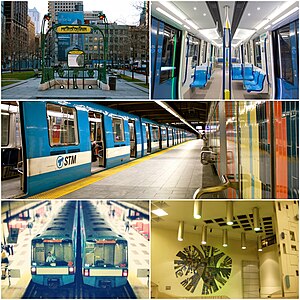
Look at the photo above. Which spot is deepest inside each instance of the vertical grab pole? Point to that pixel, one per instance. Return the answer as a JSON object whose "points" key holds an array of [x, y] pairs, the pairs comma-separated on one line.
{"points": [[226, 58]]}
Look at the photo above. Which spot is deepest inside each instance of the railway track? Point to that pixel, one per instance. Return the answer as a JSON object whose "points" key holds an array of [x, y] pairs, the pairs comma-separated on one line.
{"points": [[78, 290]]}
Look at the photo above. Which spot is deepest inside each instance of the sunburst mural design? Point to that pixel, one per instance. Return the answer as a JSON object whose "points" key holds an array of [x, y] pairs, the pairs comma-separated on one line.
{"points": [[207, 262]]}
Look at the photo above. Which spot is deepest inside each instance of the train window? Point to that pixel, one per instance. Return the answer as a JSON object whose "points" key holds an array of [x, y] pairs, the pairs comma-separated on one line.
{"points": [[170, 43], [155, 134], [285, 52], [95, 126], [5, 129], [62, 124], [118, 129], [163, 133], [257, 52], [204, 50], [120, 254]]}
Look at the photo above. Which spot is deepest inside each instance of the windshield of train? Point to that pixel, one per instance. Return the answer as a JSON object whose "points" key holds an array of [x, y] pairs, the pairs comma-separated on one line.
{"points": [[58, 253], [109, 254]]}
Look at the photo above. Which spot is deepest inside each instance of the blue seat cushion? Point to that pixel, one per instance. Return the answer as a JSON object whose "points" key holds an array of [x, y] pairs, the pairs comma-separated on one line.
{"points": [[248, 73], [254, 81], [237, 73], [200, 79], [259, 86]]}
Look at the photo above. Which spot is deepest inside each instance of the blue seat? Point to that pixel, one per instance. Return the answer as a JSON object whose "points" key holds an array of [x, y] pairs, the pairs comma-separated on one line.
{"points": [[254, 81], [248, 72], [237, 72], [200, 78], [259, 86]]}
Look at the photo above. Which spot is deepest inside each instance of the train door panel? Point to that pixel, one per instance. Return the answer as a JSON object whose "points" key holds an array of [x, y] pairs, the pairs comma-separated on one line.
{"points": [[12, 156], [160, 137], [132, 134], [165, 53], [148, 138], [286, 54], [97, 139]]}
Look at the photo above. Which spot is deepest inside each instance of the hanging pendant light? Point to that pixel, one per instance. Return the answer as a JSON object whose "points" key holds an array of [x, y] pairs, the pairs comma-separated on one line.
{"points": [[197, 209], [229, 213], [180, 231], [259, 244], [225, 238], [256, 219], [204, 235], [243, 240]]}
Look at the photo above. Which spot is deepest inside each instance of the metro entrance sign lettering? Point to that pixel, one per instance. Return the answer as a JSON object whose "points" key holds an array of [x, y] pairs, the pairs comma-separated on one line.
{"points": [[73, 29]]}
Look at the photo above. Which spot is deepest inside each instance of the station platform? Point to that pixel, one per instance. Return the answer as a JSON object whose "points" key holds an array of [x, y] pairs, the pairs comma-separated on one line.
{"points": [[138, 255], [20, 260], [173, 173]]}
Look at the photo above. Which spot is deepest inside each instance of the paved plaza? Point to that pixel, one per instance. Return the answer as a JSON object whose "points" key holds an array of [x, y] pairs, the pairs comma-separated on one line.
{"points": [[28, 89]]}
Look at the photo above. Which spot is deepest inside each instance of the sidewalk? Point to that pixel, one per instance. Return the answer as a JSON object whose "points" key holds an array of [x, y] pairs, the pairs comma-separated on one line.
{"points": [[138, 252], [28, 89], [21, 259]]}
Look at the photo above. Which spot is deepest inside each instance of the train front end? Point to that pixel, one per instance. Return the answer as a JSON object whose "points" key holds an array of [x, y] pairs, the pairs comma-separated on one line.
{"points": [[105, 262], [52, 262]]}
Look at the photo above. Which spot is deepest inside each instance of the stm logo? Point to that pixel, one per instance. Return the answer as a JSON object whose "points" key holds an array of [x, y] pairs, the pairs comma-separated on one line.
{"points": [[65, 161]]}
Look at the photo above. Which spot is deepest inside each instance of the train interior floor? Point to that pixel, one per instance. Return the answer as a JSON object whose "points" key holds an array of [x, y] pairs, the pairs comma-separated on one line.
{"points": [[138, 254], [213, 89], [172, 174], [10, 188]]}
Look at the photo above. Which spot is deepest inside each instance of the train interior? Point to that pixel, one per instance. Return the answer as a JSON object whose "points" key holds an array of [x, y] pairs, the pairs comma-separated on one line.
{"points": [[12, 179], [192, 43]]}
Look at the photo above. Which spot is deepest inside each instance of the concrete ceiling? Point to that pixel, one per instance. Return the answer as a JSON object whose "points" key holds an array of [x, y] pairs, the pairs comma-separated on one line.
{"points": [[213, 210]]}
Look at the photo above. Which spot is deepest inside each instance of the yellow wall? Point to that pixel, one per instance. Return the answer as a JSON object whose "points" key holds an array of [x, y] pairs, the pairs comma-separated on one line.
{"points": [[269, 272], [165, 247]]}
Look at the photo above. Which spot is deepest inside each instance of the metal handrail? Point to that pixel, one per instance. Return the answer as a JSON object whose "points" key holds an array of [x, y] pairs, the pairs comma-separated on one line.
{"points": [[217, 188]]}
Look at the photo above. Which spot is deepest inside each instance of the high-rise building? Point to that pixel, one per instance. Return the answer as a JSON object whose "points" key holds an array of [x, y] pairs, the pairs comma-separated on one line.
{"points": [[58, 6], [35, 18], [54, 8], [16, 33], [31, 36]]}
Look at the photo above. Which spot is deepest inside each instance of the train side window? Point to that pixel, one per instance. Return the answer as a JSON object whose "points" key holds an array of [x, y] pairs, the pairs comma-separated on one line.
{"points": [[257, 52], [168, 68], [5, 118], [155, 133], [286, 64], [62, 125], [118, 129]]}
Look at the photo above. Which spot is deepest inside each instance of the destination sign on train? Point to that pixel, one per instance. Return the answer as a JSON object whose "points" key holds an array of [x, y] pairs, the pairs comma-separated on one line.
{"points": [[73, 29]]}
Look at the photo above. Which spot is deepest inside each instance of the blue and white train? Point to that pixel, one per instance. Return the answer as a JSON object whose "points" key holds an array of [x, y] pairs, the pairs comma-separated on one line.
{"points": [[53, 252], [57, 142], [104, 253]]}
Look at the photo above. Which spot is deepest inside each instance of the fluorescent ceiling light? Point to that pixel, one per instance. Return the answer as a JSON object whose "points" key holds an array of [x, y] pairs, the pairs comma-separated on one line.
{"points": [[174, 113], [159, 212], [211, 33], [276, 13], [192, 24], [285, 15], [168, 15], [243, 34], [267, 27], [173, 9], [187, 27]]}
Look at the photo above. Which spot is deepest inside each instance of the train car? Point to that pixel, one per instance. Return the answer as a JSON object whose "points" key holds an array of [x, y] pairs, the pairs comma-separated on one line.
{"points": [[53, 252], [66, 141], [259, 145], [104, 253], [209, 50]]}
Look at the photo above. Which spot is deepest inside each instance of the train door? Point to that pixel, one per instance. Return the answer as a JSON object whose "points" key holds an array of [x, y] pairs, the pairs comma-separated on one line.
{"points": [[286, 61], [132, 134], [148, 137], [160, 137], [12, 156], [165, 60], [97, 139]]}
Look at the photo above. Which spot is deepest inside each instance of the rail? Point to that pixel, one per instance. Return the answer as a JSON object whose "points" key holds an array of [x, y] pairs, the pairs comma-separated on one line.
{"points": [[226, 183]]}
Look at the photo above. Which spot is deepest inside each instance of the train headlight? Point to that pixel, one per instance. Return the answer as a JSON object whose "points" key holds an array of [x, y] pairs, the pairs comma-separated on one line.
{"points": [[125, 273], [33, 270], [71, 270], [86, 272]]}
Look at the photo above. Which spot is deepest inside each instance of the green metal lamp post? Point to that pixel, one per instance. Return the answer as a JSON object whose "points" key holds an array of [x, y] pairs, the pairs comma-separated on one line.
{"points": [[103, 18], [46, 17]]}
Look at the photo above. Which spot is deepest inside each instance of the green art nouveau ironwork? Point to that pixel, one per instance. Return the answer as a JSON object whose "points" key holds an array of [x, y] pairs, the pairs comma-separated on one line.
{"points": [[208, 263]]}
